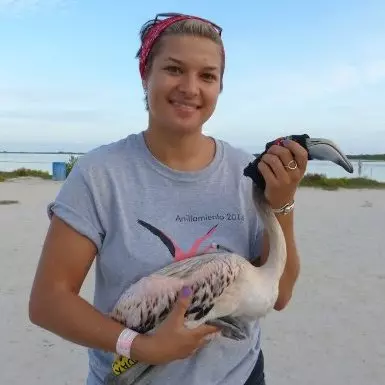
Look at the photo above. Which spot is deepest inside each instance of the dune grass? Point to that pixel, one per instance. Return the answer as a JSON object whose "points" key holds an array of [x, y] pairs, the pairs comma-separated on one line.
{"points": [[71, 163], [20, 172], [310, 180], [321, 181]]}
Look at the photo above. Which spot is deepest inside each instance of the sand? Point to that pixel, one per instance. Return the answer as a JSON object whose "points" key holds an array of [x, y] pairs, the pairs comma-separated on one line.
{"points": [[333, 331]]}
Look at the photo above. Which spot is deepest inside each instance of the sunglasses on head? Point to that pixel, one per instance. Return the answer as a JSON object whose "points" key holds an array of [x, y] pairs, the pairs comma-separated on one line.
{"points": [[161, 16]]}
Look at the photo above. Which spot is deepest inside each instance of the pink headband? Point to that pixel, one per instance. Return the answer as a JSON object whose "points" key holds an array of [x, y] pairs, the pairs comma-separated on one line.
{"points": [[154, 33]]}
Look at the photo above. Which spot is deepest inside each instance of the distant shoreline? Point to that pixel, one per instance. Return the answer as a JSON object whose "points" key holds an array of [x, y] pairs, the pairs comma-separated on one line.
{"points": [[43, 152], [371, 157], [380, 157]]}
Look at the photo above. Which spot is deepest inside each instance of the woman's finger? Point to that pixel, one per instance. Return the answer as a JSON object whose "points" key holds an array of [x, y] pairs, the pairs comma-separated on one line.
{"points": [[288, 160], [277, 167], [283, 153], [298, 153], [267, 173]]}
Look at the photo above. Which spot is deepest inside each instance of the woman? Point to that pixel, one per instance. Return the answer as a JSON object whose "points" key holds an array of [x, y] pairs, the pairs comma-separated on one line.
{"points": [[174, 179]]}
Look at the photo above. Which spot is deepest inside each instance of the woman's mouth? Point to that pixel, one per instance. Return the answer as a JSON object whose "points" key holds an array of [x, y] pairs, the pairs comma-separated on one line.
{"points": [[185, 107]]}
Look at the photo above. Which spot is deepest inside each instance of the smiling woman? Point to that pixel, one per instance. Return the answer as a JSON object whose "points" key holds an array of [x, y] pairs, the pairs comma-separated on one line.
{"points": [[183, 84], [163, 177], [181, 62]]}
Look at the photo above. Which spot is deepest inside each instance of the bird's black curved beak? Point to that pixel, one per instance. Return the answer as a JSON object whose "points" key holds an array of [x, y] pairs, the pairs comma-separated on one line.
{"points": [[324, 149], [317, 148]]}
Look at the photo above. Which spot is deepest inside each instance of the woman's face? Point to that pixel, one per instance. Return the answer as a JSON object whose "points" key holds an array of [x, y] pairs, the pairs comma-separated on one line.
{"points": [[183, 83]]}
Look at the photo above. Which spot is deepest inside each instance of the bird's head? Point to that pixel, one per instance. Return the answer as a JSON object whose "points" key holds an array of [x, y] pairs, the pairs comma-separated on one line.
{"points": [[317, 148]]}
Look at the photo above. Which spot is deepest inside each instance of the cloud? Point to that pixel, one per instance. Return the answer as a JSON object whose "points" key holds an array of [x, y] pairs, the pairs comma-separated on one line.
{"points": [[306, 85], [28, 3], [375, 71], [13, 95], [69, 98], [63, 115], [343, 78], [66, 114], [17, 6]]}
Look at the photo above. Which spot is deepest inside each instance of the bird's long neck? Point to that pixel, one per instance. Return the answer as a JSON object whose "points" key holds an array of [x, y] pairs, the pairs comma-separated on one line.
{"points": [[276, 259]]}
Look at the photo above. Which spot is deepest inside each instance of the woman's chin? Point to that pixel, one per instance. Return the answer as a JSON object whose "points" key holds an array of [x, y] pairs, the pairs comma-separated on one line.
{"points": [[185, 125]]}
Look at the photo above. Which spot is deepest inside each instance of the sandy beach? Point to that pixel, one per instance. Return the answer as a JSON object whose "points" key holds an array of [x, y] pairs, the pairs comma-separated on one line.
{"points": [[333, 332]]}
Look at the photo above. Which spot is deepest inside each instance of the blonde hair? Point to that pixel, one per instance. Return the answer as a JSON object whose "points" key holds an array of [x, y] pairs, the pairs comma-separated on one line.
{"points": [[188, 27]]}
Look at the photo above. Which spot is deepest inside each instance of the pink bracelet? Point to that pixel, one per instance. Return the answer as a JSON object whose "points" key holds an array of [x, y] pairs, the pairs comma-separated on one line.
{"points": [[124, 342]]}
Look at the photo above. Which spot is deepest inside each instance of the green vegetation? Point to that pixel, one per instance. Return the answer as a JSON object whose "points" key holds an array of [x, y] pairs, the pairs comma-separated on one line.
{"points": [[23, 172], [321, 181], [20, 172], [373, 157], [43, 152], [310, 180], [70, 164]]}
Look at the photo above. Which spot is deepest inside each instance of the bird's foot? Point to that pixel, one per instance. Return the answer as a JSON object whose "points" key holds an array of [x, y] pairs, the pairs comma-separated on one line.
{"points": [[232, 328]]}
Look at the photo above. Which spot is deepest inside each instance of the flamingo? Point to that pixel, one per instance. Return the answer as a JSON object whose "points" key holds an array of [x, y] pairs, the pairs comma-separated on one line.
{"points": [[227, 288]]}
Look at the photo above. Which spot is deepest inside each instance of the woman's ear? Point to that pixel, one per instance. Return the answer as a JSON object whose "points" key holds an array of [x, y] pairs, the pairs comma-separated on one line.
{"points": [[145, 90]]}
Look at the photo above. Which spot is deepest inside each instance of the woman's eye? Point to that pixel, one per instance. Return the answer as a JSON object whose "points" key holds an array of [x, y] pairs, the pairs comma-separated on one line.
{"points": [[209, 76], [173, 69]]}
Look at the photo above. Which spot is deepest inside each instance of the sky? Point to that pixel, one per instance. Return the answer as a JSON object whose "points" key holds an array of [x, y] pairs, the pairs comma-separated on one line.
{"points": [[69, 77]]}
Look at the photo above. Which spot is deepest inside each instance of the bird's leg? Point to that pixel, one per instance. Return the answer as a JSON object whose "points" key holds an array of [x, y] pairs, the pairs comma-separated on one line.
{"points": [[229, 327]]}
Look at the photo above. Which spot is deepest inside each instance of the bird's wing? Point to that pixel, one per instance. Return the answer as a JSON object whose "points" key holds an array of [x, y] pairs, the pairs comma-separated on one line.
{"points": [[148, 302], [188, 266]]}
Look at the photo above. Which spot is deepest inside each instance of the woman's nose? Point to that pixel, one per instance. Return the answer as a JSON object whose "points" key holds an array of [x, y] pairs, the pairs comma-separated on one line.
{"points": [[189, 84]]}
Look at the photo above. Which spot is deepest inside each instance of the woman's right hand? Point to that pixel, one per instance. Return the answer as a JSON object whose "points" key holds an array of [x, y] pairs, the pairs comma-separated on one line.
{"points": [[172, 340]]}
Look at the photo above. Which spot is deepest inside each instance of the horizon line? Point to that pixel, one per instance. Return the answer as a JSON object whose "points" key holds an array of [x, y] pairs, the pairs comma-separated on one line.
{"points": [[84, 153]]}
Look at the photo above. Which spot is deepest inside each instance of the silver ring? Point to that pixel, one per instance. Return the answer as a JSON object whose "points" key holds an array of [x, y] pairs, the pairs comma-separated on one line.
{"points": [[292, 165]]}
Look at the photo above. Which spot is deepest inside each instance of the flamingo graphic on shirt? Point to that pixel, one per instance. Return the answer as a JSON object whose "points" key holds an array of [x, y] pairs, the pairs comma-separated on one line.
{"points": [[178, 253]]}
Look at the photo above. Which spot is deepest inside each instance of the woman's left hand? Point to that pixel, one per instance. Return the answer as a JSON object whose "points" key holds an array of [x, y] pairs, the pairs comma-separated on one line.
{"points": [[283, 167]]}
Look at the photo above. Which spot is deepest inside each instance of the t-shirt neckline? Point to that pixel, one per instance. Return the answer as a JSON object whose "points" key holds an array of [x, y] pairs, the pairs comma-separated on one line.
{"points": [[185, 176]]}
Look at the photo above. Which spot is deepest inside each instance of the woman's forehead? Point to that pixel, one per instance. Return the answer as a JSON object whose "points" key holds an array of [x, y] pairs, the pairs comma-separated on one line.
{"points": [[186, 49]]}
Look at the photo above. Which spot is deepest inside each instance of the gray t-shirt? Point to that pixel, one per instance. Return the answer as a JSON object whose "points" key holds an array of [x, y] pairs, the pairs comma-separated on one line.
{"points": [[112, 196]]}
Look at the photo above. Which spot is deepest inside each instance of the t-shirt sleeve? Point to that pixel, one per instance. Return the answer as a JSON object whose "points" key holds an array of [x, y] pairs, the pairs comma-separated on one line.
{"points": [[78, 206]]}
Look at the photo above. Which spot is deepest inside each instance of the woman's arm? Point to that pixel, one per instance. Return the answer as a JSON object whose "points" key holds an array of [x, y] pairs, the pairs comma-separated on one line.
{"points": [[55, 303]]}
